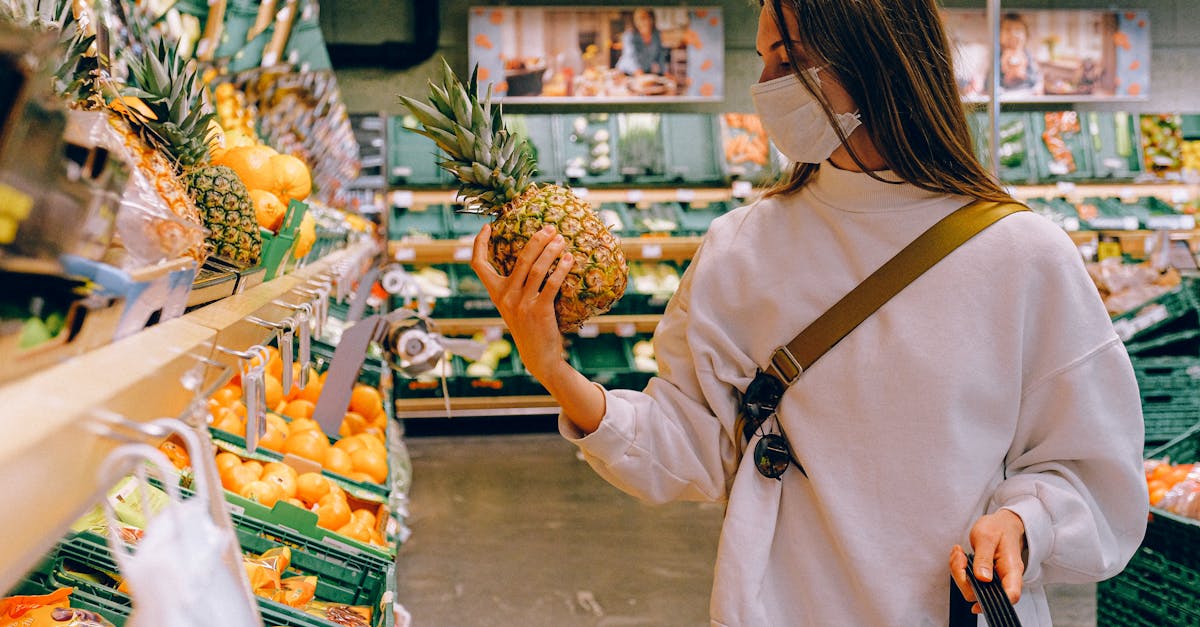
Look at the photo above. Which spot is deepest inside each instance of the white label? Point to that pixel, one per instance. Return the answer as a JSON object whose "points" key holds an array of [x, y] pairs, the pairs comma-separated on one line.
{"points": [[402, 198], [685, 195], [235, 509], [589, 330], [1171, 222], [402, 171], [492, 334], [1149, 316], [634, 195], [1180, 195], [626, 329], [462, 253], [406, 254], [652, 251], [1065, 187], [1127, 194], [1071, 223], [580, 192], [742, 189], [575, 172], [331, 541]]}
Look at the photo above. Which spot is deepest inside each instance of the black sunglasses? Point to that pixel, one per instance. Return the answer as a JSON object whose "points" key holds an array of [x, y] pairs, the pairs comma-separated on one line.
{"points": [[772, 454]]}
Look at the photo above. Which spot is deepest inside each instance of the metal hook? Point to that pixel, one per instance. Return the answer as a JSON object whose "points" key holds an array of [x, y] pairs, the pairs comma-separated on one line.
{"points": [[110, 424], [239, 354], [286, 323]]}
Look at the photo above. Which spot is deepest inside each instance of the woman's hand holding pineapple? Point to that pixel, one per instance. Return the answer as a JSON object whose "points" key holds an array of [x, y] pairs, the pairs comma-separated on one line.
{"points": [[525, 300]]}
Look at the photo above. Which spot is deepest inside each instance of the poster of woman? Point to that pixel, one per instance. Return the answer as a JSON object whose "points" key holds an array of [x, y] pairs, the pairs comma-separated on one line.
{"points": [[1054, 55], [602, 54]]}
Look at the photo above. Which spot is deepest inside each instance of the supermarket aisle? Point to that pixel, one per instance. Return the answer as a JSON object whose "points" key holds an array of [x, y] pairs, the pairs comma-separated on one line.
{"points": [[516, 530]]}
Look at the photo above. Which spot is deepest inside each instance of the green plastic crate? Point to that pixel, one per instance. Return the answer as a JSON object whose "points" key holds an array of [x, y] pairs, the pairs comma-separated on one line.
{"points": [[1113, 141], [539, 131], [1076, 142], [412, 159], [99, 601], [508, 379], [363, 490], [1017, 161], [1143, 322], [575, 149], [417, 221], [91, 552], [605, 359]]}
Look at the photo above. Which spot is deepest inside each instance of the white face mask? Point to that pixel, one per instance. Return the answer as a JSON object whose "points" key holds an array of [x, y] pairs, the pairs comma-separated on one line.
{"points": [[795, 121]]}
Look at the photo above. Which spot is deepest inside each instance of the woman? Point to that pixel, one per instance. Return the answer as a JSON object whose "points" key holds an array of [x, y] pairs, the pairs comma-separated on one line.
{"points": [[642, 50], [989, 405]]}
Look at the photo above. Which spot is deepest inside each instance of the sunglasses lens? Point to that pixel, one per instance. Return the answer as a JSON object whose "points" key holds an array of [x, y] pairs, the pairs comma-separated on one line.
{"points": [[772, 456]]}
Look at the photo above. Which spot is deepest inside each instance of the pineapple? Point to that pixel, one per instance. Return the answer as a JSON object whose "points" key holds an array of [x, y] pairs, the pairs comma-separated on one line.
{"points": [[495, 168], [162, 102]]}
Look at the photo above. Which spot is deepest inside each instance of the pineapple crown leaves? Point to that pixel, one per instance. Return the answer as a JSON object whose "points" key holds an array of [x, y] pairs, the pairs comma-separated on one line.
{"points": [[171, 91], [493, 165]]}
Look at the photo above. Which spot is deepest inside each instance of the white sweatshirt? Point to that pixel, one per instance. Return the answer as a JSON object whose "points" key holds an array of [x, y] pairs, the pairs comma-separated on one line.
{"points": [[994, 380]]}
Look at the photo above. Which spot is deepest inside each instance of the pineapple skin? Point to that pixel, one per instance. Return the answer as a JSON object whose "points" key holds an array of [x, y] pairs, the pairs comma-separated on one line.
{"points": [[225, 207], [598, 277]]}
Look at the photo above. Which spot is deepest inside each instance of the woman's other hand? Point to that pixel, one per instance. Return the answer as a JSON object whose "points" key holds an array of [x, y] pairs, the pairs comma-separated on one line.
{"points": [[998, 540]]}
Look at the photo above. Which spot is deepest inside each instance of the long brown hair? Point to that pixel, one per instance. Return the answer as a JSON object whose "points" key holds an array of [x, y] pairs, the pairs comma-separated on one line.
{"points": [[893, 58]]}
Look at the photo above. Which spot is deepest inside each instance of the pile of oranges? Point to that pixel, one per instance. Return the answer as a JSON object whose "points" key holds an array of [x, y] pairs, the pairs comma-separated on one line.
{"points": [[1162, 476], [270, 483], [360, 454]]}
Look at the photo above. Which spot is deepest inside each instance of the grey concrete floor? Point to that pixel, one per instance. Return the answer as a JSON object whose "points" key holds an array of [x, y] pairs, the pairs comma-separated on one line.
{"points": [[516, 530]]}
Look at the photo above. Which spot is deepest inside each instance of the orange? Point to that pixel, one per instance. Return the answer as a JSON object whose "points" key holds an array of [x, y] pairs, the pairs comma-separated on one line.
{"points": [[267, 209], [286, 483], [228, 394], [307, 444], [349, 444], [299, 409], [332, 512], [311, 487], [279, 423], [279, 468], [176, 453], [356, 530], [230, 423], [365, 515], [305, 424], [263, 492], [290, 179], [337, 460], [238, 408], [312, 391], [213, 405], [360, 476], [373, 442], [336, 490], [352, 423], [273, 439], [372, 463], [296, 502], [306, 235], [256, 467], [251, 164], [274, 365], [366, 401], [274, 390], [237, 478], [225, 461]]}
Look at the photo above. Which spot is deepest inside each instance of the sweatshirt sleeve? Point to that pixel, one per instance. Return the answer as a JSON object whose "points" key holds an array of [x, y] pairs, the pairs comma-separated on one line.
{"points": [[1074, 471], [672, 441]]}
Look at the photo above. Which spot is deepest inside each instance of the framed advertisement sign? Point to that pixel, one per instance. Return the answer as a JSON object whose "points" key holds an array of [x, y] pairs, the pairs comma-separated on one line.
{"points": [[1055, 55], [599, 54]]}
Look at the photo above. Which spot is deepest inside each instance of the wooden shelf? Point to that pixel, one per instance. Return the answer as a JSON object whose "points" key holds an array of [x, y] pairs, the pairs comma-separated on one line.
{"points": [[52, 449], [695, 195], [625, 325], [482, 406], [459, 251], [1079, 191]]}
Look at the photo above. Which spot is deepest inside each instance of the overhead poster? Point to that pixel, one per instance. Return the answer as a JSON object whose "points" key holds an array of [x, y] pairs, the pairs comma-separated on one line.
{"points": [[599, 54], [1054, 55]]}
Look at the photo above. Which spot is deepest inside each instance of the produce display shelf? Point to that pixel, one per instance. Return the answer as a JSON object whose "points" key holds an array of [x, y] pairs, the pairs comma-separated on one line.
{"points": [[617, 324], [459, 250], [495, 406]]}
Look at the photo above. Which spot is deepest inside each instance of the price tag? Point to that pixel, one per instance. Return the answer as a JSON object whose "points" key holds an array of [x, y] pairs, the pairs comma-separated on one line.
{"points": [[402, 254], [742, 189], [1065, 187], [626, 329], [402, 171], [580, 192], [305, 356], [284, 342], [492, 334], [652, 251], [634, 195], [589, 330], [1128, 194], [685, 195], [1180, 195], [402, 198], [462, 253]]}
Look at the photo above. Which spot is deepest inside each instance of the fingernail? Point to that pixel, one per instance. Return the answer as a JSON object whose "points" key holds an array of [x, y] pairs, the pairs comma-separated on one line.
{"points": [[984, 573], [558, 239], [548, 229]]}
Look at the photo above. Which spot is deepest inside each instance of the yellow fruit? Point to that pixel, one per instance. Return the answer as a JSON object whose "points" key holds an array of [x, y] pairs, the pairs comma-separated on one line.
{"points": [[356, 530], [306, 236], [227, 421], [225, 461], [337, 460], [280, 468], [273, 439], [352, 424], [237, 478], [279, 423], [296, 502], [365, 515], [251, 164], [349, 444], [298, 408], [285, 482], [306, 424], [256, 467], [274, 390], [374, 443], [268, 209], [371, 463]]}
